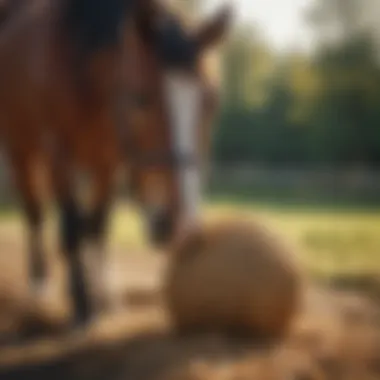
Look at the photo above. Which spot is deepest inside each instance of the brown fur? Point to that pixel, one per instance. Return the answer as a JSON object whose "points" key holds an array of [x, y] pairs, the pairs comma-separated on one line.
{"points": [[57, 109], [72, 75], [234, 274]]}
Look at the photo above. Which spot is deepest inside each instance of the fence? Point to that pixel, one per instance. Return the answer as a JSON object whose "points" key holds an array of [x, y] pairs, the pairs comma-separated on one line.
{"points": [[339, 185], [345, 185]]}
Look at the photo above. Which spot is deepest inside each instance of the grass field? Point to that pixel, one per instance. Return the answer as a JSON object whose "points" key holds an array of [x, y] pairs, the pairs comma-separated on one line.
{"points": [[329, 240]]}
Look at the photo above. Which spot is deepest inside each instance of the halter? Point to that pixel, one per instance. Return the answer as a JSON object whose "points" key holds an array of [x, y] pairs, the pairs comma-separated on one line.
{"points": [[171, 159], [169, 39]]}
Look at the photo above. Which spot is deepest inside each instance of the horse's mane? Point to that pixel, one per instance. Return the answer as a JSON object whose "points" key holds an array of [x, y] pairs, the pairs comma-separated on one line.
{"points": [[176, 47], [95, 24]]}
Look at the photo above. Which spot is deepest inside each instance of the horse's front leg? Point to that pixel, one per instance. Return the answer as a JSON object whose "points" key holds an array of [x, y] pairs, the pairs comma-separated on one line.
{"points": [[96, 223], [72, 231], [23, 162]]}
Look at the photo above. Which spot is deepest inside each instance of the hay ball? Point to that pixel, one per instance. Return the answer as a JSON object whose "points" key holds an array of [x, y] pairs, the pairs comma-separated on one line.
{"points": [[235, 274]]}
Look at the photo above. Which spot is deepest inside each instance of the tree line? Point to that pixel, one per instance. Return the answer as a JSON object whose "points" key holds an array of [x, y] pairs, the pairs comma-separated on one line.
{"points": [[298, 109]]}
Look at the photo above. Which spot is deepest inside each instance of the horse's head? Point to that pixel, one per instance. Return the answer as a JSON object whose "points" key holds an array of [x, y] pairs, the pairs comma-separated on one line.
{"points": [[170, 105]]}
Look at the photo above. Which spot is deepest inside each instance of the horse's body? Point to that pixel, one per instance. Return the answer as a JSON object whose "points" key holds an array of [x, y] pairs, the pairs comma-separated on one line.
{"points": [[54, 110], [49, 118], [40, 93], [65, 65]]}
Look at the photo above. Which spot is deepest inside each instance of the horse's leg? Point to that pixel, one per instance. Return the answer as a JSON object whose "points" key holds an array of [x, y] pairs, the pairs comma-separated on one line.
{"points": [[71, 232], [71, 235], [96, 224], [23, 168]]}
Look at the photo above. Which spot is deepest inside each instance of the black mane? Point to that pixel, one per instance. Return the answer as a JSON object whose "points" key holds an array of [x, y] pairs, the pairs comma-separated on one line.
{"points": [[176, 48], [95, 24]]}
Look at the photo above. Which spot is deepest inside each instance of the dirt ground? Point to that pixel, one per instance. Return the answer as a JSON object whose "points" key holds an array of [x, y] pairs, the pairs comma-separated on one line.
{"points": [[337, 336]]}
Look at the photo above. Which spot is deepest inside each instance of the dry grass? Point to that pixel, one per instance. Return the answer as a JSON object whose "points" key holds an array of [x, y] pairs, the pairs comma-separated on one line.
{"points": [[329, 343], [337, 337]]}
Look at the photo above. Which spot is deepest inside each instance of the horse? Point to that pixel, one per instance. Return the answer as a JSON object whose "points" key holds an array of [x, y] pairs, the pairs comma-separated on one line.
{"points": [[87, 86]]}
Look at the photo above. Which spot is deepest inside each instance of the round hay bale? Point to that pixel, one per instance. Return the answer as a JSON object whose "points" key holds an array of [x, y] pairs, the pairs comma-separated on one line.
{"points": [[234, 274]]}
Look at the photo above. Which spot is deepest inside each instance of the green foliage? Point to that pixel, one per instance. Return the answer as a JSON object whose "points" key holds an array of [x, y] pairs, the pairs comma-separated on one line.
{"points": [[296, 109]]}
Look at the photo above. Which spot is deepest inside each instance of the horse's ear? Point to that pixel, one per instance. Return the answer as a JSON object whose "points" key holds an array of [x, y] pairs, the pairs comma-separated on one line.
{"points": [[215, 29]]}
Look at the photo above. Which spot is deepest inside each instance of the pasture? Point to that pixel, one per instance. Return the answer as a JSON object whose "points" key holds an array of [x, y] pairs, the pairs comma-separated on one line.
{"points": [[337, 336], [330, 241]]}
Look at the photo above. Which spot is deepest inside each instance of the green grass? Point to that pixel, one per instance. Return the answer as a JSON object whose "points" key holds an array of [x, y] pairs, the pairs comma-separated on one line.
{"points": [[328, 241]]}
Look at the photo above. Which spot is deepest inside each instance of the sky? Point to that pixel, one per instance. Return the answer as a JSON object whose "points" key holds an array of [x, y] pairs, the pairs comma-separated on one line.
{"points": [[281, 21]]}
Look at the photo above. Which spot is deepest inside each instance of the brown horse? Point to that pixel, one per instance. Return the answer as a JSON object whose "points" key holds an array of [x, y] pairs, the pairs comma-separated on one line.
{"points": [[86, 85]]}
